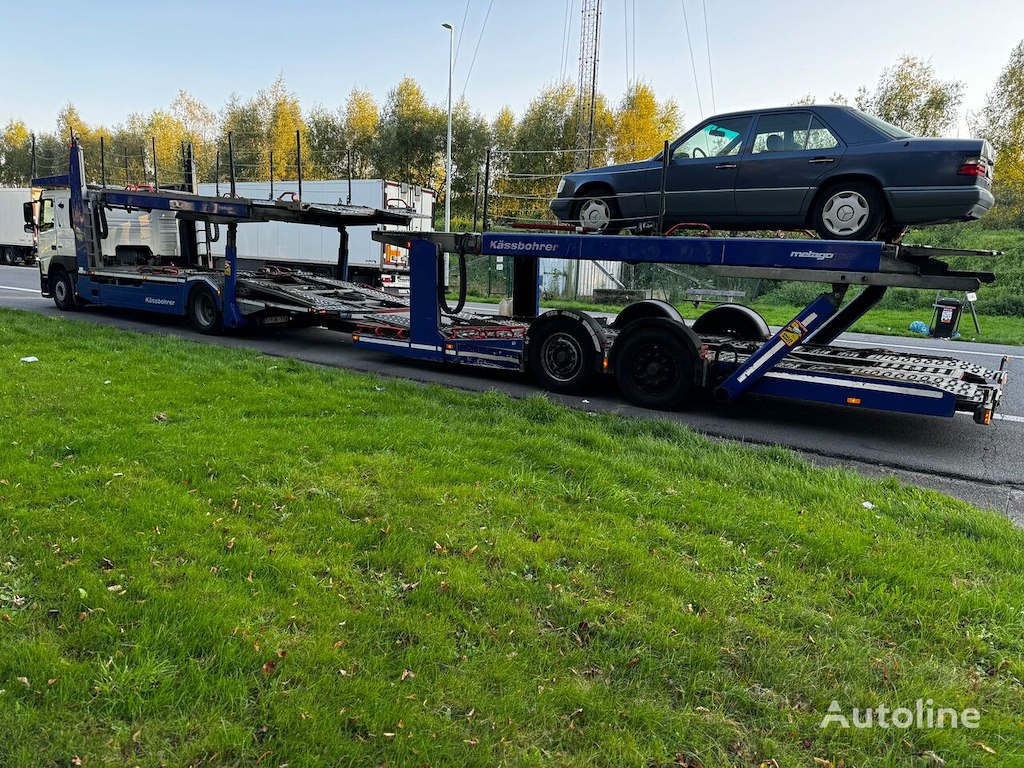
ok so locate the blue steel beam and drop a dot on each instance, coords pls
(813, 255)
(790, 336)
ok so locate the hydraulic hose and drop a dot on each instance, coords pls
(442, 300)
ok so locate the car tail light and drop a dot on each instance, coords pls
(973, 166)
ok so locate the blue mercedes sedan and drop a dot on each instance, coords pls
(843, 173)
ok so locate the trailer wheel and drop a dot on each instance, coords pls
(656, 363)
(563, 350)
(734, 321)
(203, 313)
(63, 288)
(9, 256)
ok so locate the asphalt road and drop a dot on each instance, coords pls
(981, 464)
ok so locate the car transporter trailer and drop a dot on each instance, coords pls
(656, 359)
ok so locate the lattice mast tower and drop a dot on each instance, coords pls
(586, 91)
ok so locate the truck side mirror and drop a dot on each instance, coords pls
(30, 221)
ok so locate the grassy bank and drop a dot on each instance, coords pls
(211, 557)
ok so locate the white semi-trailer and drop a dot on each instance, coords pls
(16, 244)
(315, 248)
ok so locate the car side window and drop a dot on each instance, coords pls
(723, 138)
(818, 136)
(46, 214)
(791, 132)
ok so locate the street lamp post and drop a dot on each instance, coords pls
(448, 158)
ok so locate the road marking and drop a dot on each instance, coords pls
(14, 288)
(946, 350)
(1008, 417)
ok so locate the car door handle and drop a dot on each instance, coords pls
(820, 160)
(725, 166)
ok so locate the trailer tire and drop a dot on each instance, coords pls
(735, 321)
(565, 350)
(203, 313)
(63, 287)
(10, 257)
(656, 363)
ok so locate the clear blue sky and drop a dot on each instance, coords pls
(112, 59)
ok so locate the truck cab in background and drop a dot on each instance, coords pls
(17, 239)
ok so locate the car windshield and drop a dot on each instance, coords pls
(889, 130)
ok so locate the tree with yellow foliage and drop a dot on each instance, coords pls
(642, 124)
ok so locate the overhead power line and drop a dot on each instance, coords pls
(707, 43)
(477, 49)
(566, 34)
(458, 44)
(693, 63)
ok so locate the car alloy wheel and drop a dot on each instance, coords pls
(595, 213)
(845, 213)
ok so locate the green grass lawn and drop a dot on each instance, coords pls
(995, 329)
(211, 557)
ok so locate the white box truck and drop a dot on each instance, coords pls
(16, 245)
(315, 248)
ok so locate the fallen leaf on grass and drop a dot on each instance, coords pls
(24, 681)
(932, 758)
(472, 550)
(822, 762)
(407, 674)
(980, 745)
(269, 667)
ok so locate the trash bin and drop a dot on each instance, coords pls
(946, 318)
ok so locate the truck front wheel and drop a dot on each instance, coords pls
(203, 313)
(63, 288)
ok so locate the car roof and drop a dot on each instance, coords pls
(823, 109)
(849, 122)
